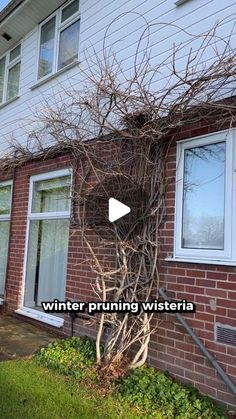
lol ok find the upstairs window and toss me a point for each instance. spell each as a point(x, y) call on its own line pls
point(59, 40)
point(10, 74)
point(206, 198)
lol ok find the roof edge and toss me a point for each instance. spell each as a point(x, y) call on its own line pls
point(10, 8)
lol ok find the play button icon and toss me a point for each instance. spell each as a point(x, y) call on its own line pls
point(114, 207)
point(117, 210)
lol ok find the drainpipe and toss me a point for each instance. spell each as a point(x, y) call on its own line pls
point(211, 359)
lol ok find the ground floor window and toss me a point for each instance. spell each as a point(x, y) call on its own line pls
point(48, 236)
point(205, 197)
point(5, 214)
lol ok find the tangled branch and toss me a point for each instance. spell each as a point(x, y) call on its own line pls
point(123, 124)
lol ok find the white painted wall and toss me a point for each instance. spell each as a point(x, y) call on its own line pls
point(128, 21)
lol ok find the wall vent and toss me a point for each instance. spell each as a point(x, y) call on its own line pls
point(225, 334)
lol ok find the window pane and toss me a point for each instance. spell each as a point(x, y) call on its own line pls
point(46, 53)
point(4, 237)
point(13, 82)
point(46, 262)
point(15, 53)
point(5, 200)
point(52, 195)
point(2, 74)
point(70, 10)
point(69, 45)
point(204, 197)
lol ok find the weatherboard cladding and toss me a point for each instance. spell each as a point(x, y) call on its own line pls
point(127, 23)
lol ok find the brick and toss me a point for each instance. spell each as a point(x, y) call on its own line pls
point(226, 285)
point(176, 271)
point(231, 350)
point(194, 290)
point(217, 275)
point(205, 389)
point(216, 293)
point(194, 376)
point(187, 347)
point(232, 314)
point(195, 273)
point(186, 280)
point(226, 397)
point(226, 303)
point(202, 369)
point(205, 283)
point(173, 369)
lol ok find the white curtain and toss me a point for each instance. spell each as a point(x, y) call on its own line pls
point(47, 261)
point(31, 264)
point(4, 238)
point(53, 260)
point(52, 195)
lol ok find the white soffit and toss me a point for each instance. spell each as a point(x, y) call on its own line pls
point(23, 19)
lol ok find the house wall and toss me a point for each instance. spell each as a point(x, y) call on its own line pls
point(207, 286)
point(171, 348)
point(124, 23)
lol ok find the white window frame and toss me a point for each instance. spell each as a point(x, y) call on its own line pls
point(6, 217)
point(8, 65)
point(228, 255)
point(30, 312)
point(59, 27)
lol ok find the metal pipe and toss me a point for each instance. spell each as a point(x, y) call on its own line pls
point(211, 359)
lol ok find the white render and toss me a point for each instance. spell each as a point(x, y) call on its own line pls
point(127, 22)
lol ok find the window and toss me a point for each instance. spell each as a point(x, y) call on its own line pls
point(59, 40)
point(5, 215)
point(10, 74)
point(48, 235)
point(204, 198)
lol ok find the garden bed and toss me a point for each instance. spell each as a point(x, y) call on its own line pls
point(63, 382)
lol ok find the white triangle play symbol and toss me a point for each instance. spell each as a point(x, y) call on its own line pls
point(117, 210)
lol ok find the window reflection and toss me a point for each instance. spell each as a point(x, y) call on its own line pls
point(47, 48)
point(69, 45)
point(204, 197)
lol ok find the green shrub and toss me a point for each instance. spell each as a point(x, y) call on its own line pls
point(161, 397)
point(73, 356)
point(153, 392)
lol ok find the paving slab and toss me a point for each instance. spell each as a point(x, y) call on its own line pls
point(20, 339)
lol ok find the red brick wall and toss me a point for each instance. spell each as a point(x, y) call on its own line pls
point(171, 348)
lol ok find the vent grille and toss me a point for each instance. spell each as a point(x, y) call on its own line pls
point(225, 334)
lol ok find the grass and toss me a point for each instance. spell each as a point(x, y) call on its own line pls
point(28, 391)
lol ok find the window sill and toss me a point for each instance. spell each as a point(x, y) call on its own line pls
point(42, 317)
point(8, 102)
point(201, 261)
point(54, 75)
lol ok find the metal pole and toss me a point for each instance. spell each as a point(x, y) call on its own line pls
point(211, 359)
